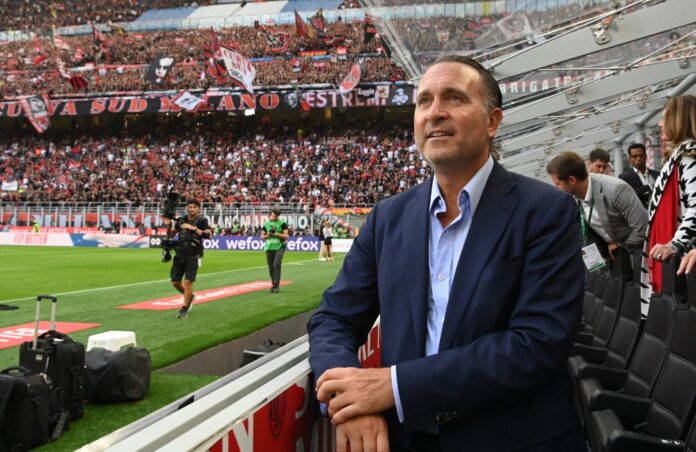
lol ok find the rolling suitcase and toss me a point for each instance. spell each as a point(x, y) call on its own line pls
point(24, 410)
point(59, 357)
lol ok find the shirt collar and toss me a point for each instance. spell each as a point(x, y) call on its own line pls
point(639, 171)
point(474, 189)
point(588, 194)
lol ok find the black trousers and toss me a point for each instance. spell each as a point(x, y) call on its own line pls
point(274, 260)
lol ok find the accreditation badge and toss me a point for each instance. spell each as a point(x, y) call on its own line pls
point(592, 258)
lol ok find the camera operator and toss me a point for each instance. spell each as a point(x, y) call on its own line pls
point(192, 229)
point(275, 233)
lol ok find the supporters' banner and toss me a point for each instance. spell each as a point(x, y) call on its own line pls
point(159, 69)
point(277, 40)
point(515, 25)
point(351, 80)
point(59, 42)
point(389, 95)
point(10, 186)
point(36, 109)
point(296, 99)
point(188, 101)
point(239, 68)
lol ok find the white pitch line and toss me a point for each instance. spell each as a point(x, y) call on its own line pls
point(143, 283)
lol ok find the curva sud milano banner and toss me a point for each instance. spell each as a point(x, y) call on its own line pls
point(373, 96)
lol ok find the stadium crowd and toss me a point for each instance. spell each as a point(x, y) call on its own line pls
point(30, 67)
point(43, 14)
point(353, 165)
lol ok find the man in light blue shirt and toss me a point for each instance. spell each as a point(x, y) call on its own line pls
point(478, 281)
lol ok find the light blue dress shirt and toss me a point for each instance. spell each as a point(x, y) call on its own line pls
point(445, 248)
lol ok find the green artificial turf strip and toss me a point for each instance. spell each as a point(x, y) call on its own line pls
point(100, 420)
point(30, 271)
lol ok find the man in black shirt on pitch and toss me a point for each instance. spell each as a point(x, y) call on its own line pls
point(192, 229)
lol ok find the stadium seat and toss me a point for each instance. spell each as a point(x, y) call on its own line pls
point(595, 308)
point(664, 414)
point(597, 385)
point(589, 293)
point(616, 350)
point(619, 276)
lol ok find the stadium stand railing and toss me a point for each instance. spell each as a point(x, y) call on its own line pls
point(266, 405)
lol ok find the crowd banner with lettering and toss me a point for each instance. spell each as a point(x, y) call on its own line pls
point(384, 96)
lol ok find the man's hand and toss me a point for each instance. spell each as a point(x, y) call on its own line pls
point(351, 392)
point(613, 247)
point(366, 433)
point(188, 227)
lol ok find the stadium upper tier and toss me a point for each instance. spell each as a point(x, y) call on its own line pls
point(332, 165)
point(44, 14)
point(35, 66)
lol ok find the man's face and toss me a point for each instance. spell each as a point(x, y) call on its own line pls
point(567, 186)
point(452, 124)
point(637, 156)
point(274, 217)
point(597, 166)
point(192, 210)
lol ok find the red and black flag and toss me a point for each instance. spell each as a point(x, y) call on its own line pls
point(39, 55)
point(101, 44)
point(369, 29)
point(77, 82)
point(317, 21)
point(302, 29)
point(214, 65)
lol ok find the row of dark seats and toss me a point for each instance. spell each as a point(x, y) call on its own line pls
point(635, 378)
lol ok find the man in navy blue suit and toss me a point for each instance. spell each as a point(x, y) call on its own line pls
point(477, 278)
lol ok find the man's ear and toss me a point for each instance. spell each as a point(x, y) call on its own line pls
point(495, 117)
point(572, 180)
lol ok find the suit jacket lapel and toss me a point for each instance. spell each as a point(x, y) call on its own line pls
point(490, 220)
point(600, 207)
point(414, 251)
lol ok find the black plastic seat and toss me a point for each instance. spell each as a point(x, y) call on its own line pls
point(624, 335)
point(590, 287)
point(597, 385)
point(590, 319)
point(665, 413)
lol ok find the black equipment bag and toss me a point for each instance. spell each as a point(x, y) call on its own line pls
point(24, 410)
point(59, 357)
point(117, 376)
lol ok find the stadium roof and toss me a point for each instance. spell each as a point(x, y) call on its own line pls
point(597, 80)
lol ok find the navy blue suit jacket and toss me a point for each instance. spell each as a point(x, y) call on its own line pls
point(499, 381)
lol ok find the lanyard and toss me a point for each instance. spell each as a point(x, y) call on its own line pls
point(583, 222)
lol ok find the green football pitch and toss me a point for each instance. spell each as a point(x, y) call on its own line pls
point(91, 282)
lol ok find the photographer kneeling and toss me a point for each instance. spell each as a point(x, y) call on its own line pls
point(275, 233)
point(192, 229)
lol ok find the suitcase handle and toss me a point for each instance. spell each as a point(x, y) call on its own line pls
point(47, 297)
point(38, 315)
